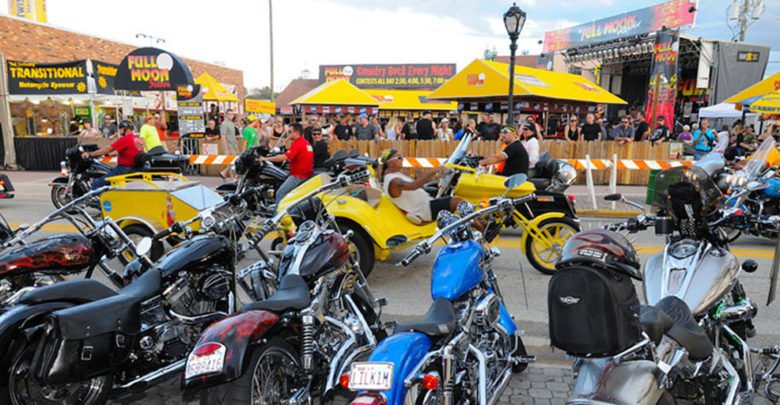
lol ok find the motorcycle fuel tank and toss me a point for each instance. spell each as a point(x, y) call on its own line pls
point(696, 272)
point(70, 252)
point(456, 270)
point(773, 191)
point(199, 253)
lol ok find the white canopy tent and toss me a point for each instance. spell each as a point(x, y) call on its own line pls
point(723, 110)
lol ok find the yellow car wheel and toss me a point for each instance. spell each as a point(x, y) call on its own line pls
point(543, 252)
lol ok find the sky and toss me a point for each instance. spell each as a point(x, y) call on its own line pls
point(308, 33)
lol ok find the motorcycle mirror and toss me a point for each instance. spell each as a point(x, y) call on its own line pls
point(613, 197)
point(749, 266)
point(515, 180)
point(144, 246)
point(396, 241)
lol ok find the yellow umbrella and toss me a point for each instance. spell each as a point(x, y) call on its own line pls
point(215, 91)
point(489, 79)
point(751, 94)
point(768, 104)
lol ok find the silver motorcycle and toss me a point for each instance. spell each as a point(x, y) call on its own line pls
point(696, 269)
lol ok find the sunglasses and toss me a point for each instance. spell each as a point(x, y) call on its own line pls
point(317, 133)
point(397, 157)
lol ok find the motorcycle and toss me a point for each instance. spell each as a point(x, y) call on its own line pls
point(77, 173)
point(380, 227)
point(253, 172)
point(755, 189)
point(6, 187)
point(25, 266)
point(81, 342)
point(695, 282)
point(465, 349)
point(295, 344)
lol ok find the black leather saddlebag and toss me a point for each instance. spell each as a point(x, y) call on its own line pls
point(593, 312)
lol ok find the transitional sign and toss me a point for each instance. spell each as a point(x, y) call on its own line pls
point(47, 78)
point(406, 76)
point(152, 69)
point(672, 14)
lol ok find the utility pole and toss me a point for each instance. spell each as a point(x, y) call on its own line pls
point(271, 31)
point(743, 11)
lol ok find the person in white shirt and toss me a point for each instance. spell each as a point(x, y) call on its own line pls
point(723, 134)
point(444, 132)
point(531, 143)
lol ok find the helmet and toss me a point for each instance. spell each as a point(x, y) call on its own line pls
point(606, 249)
point(126, 124)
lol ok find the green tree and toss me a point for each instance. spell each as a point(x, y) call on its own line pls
point(261, 93)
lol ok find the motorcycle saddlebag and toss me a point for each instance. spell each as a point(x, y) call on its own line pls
point(62, 358)
point(593, 312)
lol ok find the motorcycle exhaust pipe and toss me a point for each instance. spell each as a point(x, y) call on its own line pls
point(495, 393)
point(481, 383)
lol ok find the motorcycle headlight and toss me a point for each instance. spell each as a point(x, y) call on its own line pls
point(207, 222)
point(566, 173)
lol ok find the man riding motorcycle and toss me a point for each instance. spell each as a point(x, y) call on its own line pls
point(408, 193)
point(128, 147)
point(301, 157)
point(514, 156)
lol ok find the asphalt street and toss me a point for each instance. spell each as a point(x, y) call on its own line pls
point(407, 289)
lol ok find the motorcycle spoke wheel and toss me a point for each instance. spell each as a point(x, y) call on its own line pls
point(24, 390)
point(544, 250)
point(273, 379)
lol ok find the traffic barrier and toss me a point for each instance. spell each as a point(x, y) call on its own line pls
point(194, 159)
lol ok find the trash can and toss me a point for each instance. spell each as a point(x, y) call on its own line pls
point(651, 187)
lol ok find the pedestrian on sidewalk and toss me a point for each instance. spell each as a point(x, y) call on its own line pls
point(227, 132)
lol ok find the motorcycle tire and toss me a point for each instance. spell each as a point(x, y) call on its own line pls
point(239, 391)
point(59, 196)
point(361, 244)
point(546, 264)
point(97, 389)
point(135, 233)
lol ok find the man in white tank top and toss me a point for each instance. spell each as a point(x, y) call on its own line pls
point(408, 193)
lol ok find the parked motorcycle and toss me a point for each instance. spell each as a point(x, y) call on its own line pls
point(80, 342)
point(253, 172)
point(77, 173)
point(25, 265)
point(295, 344)
point(6, 187)
point(694, 334)
point(465, 349)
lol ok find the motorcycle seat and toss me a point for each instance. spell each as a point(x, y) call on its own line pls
point(118, 313)
point(685, 330)
point(75, 291)
point(654, 322)
point(438, 321)
point(540, 182)
point(293, 293)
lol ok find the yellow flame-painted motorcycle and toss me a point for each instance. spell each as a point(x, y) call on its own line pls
point(379, 226)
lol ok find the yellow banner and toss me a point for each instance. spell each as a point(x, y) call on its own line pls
point(260, 106)
point(29, 9)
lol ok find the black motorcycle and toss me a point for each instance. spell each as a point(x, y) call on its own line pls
point(295, 344)
point(25, 265)
point(79, 342)
point(77, 173)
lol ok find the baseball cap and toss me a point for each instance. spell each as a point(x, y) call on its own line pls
point(509, 129)
point(251, 118)
point(363, 115)
point(445, 120)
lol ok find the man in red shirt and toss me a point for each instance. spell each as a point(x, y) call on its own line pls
point(128, 146)
point(301, 157)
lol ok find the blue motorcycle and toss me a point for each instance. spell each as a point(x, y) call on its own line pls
point(466, 347)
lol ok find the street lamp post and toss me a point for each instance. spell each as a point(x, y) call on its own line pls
point(514, 19)
point(152, 39)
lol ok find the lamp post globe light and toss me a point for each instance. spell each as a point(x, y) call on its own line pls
point(514, 19)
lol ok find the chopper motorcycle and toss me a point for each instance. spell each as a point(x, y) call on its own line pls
point(466, 348)
point(295, 344)
point(81, 342)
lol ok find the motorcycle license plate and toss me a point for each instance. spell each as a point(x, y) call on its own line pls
point(371, 376)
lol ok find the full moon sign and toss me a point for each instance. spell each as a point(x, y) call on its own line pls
point(152, 69)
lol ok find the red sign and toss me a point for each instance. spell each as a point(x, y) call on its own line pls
point(672, 14)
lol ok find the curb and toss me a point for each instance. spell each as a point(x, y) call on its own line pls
point(607, 213)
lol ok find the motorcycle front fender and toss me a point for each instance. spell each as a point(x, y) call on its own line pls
point(14, 325)
point(227, 188)
point(237, 333)
point(405, 350)
point(532, 227)
point(59, 181)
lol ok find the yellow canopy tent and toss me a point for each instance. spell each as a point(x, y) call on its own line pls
point(751, 94)
point(409, 100)
point(484, 79)
point(768, 104)
point(214, 90)
point(336, 92)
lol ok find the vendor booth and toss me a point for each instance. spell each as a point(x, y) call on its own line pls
point(336, 97)
point(394, 103)
point(482, 86)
